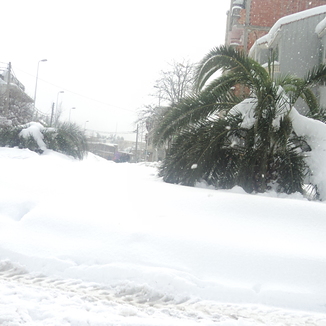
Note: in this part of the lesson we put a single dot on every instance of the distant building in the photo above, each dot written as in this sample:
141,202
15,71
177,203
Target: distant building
107,151
112,152
15,104
248,20
4,76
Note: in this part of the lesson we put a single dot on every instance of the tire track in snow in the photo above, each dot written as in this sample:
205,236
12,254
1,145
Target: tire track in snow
134,298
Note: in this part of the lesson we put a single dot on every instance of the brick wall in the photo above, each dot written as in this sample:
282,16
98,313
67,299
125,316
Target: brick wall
265,13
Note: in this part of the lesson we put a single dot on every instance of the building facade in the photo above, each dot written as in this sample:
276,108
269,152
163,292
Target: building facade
295,45
249,20
15,104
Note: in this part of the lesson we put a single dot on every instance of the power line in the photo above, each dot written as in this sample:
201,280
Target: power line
75,93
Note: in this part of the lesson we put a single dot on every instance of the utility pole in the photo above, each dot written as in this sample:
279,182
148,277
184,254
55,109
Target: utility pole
136,156
52,112
6,109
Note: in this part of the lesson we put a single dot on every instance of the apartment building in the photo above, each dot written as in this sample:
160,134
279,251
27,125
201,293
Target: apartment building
249,20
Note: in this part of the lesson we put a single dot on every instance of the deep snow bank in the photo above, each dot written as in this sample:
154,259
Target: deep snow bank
315,133
120,225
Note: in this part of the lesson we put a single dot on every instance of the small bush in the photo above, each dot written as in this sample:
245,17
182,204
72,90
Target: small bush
67,138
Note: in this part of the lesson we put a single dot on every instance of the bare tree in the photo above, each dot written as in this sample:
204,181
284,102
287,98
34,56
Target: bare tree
175,83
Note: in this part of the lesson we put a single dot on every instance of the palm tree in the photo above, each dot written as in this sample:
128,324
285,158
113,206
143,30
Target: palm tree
235,129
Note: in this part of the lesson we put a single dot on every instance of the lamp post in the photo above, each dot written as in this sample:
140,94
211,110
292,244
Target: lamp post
38,65
85,125
70,112
56,108
159,95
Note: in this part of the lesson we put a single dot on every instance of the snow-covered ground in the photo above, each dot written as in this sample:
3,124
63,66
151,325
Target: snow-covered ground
97,243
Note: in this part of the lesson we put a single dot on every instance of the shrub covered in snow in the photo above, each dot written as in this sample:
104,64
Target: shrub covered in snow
66,138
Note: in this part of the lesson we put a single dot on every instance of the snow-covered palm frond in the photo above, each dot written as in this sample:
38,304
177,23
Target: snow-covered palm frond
237,128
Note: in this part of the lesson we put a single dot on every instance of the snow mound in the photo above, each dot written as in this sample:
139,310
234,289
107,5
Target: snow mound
150,253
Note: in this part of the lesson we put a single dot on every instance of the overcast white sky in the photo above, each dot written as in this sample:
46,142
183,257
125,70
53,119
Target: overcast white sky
104,54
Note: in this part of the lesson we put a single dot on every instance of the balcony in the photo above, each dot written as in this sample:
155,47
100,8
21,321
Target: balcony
240,3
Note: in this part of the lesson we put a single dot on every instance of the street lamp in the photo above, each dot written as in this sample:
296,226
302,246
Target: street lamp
85,125
56,107
70,112
38,64
159,95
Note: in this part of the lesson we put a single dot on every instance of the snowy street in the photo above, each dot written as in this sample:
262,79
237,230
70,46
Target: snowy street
221,93
98,243
48,301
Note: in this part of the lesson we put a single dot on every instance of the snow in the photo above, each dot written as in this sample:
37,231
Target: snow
315,133
247,110
320,28
94,242
34,129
